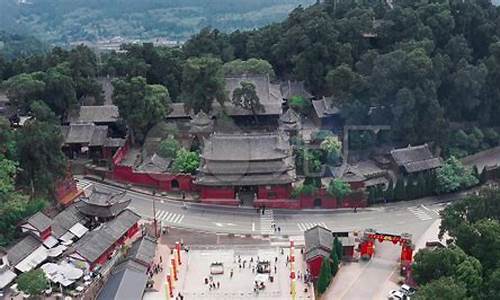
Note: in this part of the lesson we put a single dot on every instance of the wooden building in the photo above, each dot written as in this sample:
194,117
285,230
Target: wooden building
414,159
245,167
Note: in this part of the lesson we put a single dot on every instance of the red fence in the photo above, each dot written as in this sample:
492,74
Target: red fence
161,181
324,200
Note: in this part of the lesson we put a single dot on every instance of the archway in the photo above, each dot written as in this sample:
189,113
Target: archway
367,248
317,203
174,184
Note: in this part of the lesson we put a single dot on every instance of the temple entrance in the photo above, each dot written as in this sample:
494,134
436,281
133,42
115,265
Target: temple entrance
317,203
367,249
246,194
174,184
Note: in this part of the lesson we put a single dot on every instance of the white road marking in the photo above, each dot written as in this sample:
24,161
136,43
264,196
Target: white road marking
419,213
253,226
303,226
169,217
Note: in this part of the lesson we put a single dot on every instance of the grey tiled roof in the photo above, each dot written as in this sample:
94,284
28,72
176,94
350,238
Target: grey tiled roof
64,220
290,116
318,237
102,197
230,180
127,282
114,142
96,114
85,134
39,221
143,250
249,159
290,89
269,95
92,245
22,249
415,158
155,163
245,147
99,136
324,108
245,167
316,252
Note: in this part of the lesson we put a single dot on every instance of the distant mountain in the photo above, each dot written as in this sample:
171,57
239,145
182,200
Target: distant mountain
64,21
15,45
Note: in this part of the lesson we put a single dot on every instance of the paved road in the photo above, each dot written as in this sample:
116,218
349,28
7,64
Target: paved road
401,217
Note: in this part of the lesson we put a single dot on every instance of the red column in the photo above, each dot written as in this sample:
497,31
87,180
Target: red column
170,290
174,267
178,248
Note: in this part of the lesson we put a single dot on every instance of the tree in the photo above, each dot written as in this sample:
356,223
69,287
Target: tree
338,188
308,161
246,97
59,93
8,170
453,176
33,282
168,148
300,104
40,158
253,66
186,161
445,287
23,89
140,104
42,112
400,190
337,245
335,262
202,83
13,210
325,275
332,146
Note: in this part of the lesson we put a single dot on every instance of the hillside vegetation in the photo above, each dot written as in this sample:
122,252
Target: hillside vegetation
61,21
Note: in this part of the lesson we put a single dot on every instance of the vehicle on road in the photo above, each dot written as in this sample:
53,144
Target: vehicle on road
398,295
407,290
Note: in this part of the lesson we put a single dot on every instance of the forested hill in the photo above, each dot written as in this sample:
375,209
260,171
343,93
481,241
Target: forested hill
425,67
61,21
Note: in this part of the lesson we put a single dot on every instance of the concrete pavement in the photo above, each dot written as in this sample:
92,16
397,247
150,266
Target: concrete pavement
409,217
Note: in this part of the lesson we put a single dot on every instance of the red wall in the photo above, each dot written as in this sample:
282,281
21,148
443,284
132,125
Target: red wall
315,265
274,191
356,199
215,192
277,203
162,181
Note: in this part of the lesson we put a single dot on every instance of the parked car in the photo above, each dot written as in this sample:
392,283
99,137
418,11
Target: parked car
398,295
407,290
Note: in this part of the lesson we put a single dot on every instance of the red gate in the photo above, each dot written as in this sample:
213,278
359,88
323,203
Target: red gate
367,248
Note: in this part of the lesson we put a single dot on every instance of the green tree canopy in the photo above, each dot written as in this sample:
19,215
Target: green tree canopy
253,66
332,146
168,148
186,161
202,83
140,104
33,282
246,97
8,170
325,275
447,288
453,176
23,89
338,188
39,154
